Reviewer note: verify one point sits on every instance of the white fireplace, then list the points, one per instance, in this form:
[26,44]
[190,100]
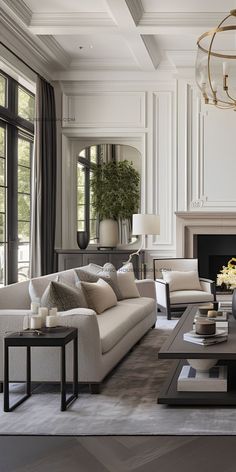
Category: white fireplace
[192,223]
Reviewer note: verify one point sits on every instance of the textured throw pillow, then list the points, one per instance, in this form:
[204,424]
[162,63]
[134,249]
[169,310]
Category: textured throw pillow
[126,282]
[38,286]
[99,295]
[62,279]
[62,296]
[180,280]
[93,272]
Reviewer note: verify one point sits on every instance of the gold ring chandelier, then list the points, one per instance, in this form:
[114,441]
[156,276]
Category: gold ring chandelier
[215,63]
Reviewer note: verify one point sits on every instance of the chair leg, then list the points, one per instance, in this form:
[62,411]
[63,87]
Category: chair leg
[168,313]
[94,388]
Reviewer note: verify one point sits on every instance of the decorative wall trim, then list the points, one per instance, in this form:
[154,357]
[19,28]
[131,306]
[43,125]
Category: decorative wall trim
[20,9]
[69,19]
[104,110]
[58,54]
[77,139]
[24,45]
[164,166]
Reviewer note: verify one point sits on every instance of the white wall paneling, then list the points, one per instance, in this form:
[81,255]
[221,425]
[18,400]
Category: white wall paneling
[164,158]
[206,153]
[101,112]
[104,109]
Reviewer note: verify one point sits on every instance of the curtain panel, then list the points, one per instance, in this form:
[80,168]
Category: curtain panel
[43,210]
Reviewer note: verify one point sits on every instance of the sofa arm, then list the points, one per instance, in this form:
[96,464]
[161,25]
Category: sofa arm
[208,286]
[146,288]
[89,343]
[162,293]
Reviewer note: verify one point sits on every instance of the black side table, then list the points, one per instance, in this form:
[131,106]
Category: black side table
[57,337]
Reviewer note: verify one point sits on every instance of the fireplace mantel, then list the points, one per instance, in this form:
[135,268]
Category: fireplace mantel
[190,223]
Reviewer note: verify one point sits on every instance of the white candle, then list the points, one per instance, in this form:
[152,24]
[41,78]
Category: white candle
[35,322]
[51,321]
[53,311]
[225,68]
[43,311]
[34,307]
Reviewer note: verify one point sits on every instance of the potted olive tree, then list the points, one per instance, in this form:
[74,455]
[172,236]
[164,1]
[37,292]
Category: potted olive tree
[116,194]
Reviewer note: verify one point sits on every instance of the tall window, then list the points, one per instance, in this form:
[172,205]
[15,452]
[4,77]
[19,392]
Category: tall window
[16,147]
[86,217]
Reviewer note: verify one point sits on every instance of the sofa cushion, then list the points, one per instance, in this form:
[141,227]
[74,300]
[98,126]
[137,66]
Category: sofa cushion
[99,295]
[126,281]
[92,272]
[181,280]
[62,296]
[116,322]
[190,296]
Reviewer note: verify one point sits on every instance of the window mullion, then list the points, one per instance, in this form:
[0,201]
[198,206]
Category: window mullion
[12,209]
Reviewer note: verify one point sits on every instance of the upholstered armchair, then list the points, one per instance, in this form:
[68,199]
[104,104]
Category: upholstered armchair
[178,285]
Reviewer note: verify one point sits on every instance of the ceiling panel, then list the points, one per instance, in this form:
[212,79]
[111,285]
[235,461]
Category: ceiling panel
[171,6]
[66,5]
[95,46]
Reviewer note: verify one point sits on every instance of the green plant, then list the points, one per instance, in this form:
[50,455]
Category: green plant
[115,189]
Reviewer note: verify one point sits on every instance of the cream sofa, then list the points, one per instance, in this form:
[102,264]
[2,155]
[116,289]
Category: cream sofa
[103,339]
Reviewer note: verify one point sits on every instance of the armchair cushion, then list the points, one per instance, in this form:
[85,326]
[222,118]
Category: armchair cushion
[184,297]
[180,280]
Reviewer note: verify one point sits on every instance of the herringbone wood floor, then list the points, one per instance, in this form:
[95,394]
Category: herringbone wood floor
[118,454]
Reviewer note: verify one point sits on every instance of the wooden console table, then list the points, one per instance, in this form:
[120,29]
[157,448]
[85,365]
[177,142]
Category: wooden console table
[71,258]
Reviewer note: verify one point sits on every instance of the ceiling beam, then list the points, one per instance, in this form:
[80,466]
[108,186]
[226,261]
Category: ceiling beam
[122,15]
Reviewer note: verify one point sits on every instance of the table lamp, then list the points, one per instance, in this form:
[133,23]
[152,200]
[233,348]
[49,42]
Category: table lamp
[144,225]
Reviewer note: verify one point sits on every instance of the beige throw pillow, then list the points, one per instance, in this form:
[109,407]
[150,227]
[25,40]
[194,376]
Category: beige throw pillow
[180,280]
[93,272]
[99,295]
[126,282]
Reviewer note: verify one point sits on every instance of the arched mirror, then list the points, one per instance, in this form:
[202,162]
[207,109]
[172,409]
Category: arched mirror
[87,161]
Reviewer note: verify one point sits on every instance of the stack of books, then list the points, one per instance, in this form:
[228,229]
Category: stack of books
[206,340]
[226,306]
[215,380]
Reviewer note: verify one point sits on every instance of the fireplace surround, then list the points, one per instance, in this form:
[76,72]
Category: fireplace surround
[209,236]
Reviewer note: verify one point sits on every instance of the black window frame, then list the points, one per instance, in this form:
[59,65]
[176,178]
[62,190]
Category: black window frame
[88,168]
[16,127]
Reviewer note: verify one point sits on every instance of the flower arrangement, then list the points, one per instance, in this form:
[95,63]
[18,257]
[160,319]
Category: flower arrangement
[227,274]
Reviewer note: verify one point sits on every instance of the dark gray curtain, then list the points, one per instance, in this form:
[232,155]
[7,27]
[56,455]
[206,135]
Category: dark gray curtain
[43,215]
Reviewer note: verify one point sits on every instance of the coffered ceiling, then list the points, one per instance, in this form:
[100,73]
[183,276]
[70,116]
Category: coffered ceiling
[115,35]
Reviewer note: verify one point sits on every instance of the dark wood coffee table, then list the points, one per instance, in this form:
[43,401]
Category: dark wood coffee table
[176,348]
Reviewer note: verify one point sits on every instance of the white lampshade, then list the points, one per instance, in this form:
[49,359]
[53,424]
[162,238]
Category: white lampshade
[144,224]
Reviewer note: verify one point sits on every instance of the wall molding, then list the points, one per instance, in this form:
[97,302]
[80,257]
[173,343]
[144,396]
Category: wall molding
[164,168]
[20,9]
[91,103]
[72,139]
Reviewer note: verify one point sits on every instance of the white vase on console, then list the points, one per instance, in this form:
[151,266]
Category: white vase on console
[108,233]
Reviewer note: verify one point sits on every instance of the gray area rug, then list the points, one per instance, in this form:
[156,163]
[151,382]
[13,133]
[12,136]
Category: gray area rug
[127,403]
